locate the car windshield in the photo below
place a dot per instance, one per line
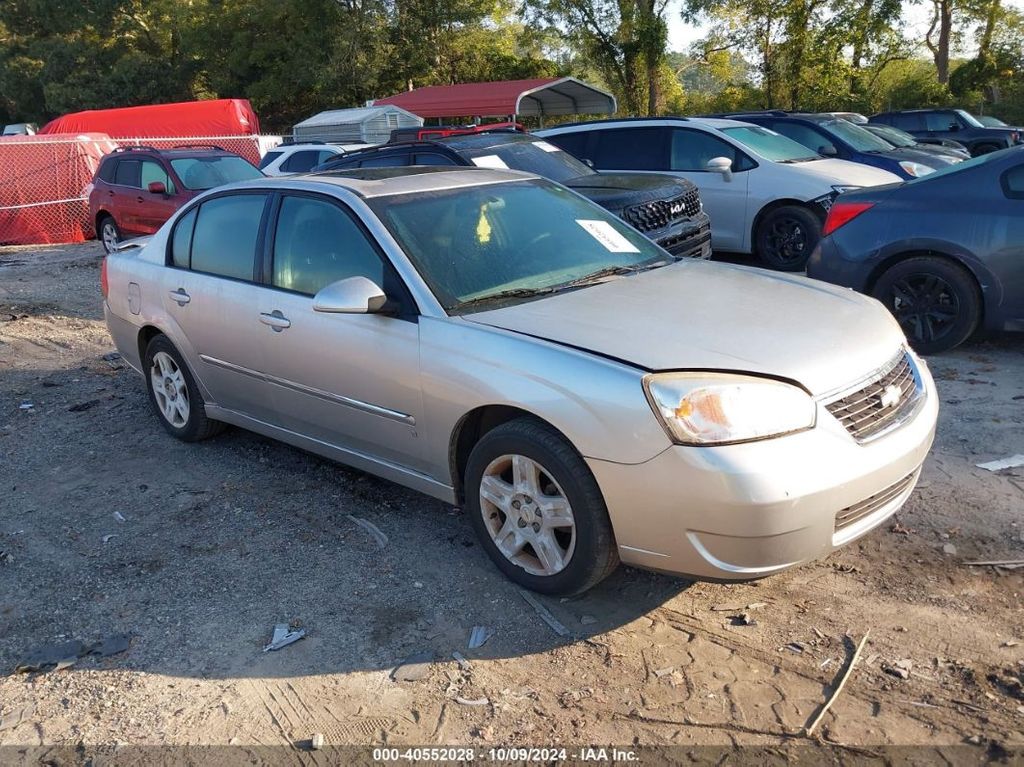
(538, 157)
(894, 136)
(969, 118)
(991, 122)
(198, 173)
(268, 158)
(770, 145)
(482, 246)
(854, 135)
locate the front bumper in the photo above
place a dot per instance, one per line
(689, 238)
(745, 511)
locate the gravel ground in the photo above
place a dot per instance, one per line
(109, 526)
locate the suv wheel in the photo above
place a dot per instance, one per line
(985, 149)
(108, 233)
(174, 395)
(537, 509)
(786, 236)
(937, 302)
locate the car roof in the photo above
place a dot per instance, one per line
(382, 182)
(708, 122)
(173, 152)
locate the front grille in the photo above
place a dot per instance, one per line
(658, 214)
(870, 505)
(689, 245)
(886, 399)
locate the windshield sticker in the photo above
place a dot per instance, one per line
(489, 161)
(546, 146)
(605, 234)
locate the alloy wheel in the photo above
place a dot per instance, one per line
(109, 234)
(527, 515)
(787, 241)
(170, 389)
(925, 305)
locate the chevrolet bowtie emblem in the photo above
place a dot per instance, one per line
(891, 396)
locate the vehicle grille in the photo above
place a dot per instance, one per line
(870, 505)
(689, 245)
(658, 214)
(874, 406)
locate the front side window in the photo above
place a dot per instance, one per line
(854, 135)
(198, 173)
(154, 171)
(317, 243)
(128, 173)
(226, 230)
(479, 245)
(631, 149)
(805, 135)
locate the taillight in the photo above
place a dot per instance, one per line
(843, 213)
(104, 284)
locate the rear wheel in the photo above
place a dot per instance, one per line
(174, 395)
(985, 149)
(108, 233)
(786, 236)
(936, 301)
(538, 510)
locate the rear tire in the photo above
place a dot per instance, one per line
(786, 237)
(108, 233)
(537, 509)
(936, 301)
(174, 395)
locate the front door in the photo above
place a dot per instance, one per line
(350, 380)
(155, 208)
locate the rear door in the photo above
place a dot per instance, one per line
(125, 196)
(350, 380)
(211, 294)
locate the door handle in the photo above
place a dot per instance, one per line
(276, 320)
(139, 199)
(180, 296)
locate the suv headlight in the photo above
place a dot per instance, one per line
(722, 408)
(916, 169)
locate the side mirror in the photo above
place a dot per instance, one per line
(589, 163)
(827, 150)
(353, 295)
(721, 165)
(157, 187)
(954, 126)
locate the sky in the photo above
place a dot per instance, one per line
(916, 19)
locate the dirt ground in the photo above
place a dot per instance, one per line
(109, 526)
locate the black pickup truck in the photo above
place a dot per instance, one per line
(667, 209)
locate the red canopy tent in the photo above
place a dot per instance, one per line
(510, 98)
(215, 117)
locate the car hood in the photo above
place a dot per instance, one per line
(701, 316)
(906, 154)
(620, 190)
(847, 173)
(942, 152)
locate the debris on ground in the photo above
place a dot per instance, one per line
(58, 655)
(284, 636)
(108, 538)
(839, 688)
(26, 406)
(112, 645)
(588, 620)
(12, 719)
(317, 741)
(664, 671)
(472, 702)
(413, 668)
(899, 668)
(461, 660)
(81, 407)
(372, 529)
(1009, 564)
(949, 548)
(479, 636)
(119, 517)
(743, 619)
(545, 614)
(1004, 463)
(797, 647)
(1010, 643)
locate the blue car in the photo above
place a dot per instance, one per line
(832, 136)
(945, 253)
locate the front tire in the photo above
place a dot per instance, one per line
(108, 233)
(936, 301)
(537, 509)
(174, 395)
(786, 237)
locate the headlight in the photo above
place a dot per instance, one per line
(720, 408)
(840, 188)
(916, 169)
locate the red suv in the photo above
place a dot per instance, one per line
(136, 189)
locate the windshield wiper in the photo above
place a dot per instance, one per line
(500, 295)
(611, 271)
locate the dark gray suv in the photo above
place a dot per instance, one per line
(934, 125)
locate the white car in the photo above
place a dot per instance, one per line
(765, 193)
(288, 159)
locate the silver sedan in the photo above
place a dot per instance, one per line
(496, 341)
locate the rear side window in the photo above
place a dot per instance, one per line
(631, 149)
(317, 243)
(1013, 183)
(301, 162)
(106, 172)
(940, 121)
(574, 143)
(226, 230)
(907, 122)
(386, 161)
(181, 240)
(128, 173)
(268, 158)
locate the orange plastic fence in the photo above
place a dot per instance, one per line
(44, 181)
